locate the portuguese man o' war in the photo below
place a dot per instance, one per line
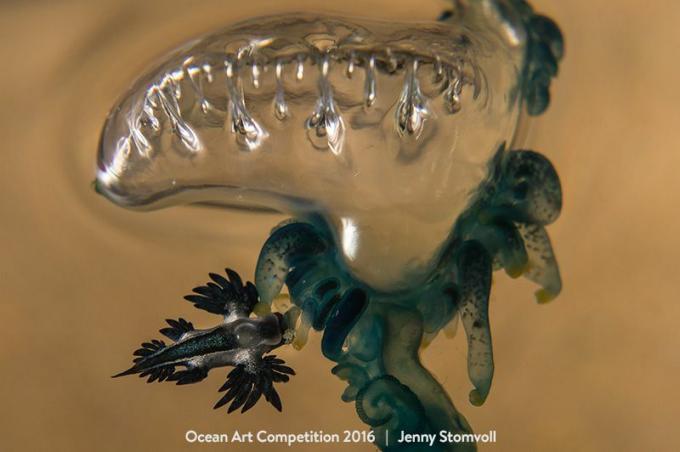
(391, 146)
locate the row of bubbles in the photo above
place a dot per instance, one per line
(325, 126)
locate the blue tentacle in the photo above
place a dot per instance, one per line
(375, 336)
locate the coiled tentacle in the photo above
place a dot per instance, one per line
(389, 406)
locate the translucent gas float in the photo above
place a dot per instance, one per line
(388, 144)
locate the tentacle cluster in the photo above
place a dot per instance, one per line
(521, 197)
(374, 336)
(544, 51)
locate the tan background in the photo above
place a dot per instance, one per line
(83, 282)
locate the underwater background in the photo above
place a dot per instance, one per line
(82, 281)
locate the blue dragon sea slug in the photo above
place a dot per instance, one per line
(238, 341)
(391, 147)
